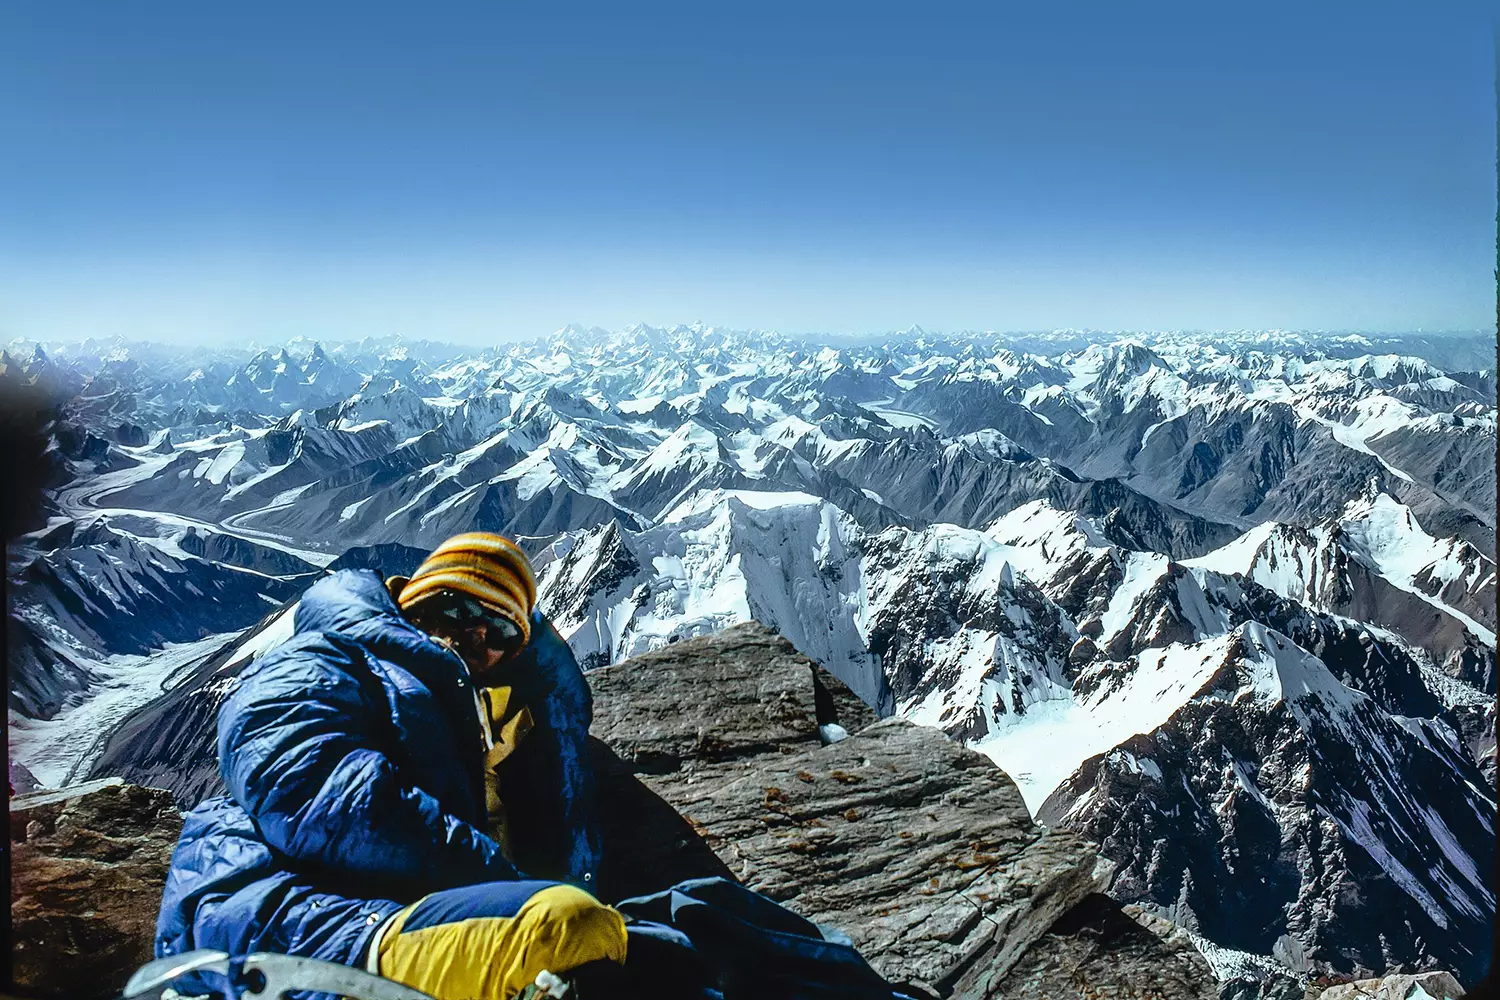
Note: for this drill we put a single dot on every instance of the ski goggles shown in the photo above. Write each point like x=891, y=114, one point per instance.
x=464, y=612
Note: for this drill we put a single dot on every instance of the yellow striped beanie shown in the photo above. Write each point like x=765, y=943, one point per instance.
x=490, y=568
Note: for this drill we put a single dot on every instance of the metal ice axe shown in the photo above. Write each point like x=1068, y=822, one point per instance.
x=266, y=976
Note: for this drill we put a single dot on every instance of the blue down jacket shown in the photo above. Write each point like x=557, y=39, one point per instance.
x=352, y=755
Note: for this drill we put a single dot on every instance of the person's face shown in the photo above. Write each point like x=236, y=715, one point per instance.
x=483, y=639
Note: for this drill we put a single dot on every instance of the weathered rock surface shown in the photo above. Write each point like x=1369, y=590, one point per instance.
x=1423, y=986
x=88, y=866
x=713, y=700
x=1096, y=952
x=920, y=850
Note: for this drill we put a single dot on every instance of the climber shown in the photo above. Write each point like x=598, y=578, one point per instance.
x=410, y=791
x=367, y=759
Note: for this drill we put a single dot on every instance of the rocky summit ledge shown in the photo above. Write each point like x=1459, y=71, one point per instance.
x=922, y=851
x=88, y=867
x=724, y=755
x=1421, y=986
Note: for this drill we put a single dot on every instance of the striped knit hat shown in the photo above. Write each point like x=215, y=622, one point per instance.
x=487, y=567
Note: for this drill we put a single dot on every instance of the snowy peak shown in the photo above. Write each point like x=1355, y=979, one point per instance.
x=1271, y=758
x=1269, y=666
x=1375, y=562
x=1393, y=370
x=1128, y=360
x=739, y=501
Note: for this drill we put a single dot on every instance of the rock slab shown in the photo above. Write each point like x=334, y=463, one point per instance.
x=88, y=866
x=1422, y=986
x=921, y=850
x=1097, y=952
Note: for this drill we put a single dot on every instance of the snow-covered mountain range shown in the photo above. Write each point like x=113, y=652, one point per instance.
x=1224, y=603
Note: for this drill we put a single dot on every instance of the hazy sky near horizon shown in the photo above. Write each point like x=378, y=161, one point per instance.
x=477, y=172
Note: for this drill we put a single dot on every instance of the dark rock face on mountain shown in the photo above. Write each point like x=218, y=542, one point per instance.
x=43, y=675
x=1456, y=460
x=1132, y=520
x=921, y=601
x=1476, y=724
x=390, y=559
x=231, y=550
x=986, y=476
x=1313, y=817
x=1376, y=564
x=21, y=779
x=89, y=864
x=106, y=591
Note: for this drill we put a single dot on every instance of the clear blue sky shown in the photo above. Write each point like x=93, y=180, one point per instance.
x=208, y=171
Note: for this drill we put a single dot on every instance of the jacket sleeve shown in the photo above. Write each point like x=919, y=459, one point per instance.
x=558, y=768
x=299, y=750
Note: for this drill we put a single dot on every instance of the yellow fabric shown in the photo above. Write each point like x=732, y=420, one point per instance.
x=488, y=567
x=495, y=958
x=509, y=722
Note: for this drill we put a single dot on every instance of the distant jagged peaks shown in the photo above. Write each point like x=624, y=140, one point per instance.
x=1168, y=416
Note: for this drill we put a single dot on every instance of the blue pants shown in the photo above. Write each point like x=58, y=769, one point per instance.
x=742, y=946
